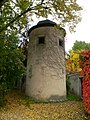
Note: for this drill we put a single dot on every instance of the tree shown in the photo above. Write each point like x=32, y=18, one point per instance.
x=20, y=12
x=80, y=45
x=72, y=63
x=11, y=61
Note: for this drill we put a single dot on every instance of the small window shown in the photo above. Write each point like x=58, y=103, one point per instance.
x=41, y=40
x=60, y=43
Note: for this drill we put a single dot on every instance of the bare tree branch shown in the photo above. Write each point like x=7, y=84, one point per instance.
x=17, y=17
x=29, y=9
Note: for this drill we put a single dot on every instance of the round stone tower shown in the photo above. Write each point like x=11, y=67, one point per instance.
x=46, y=77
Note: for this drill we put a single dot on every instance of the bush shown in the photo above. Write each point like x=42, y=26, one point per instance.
x=85, y=65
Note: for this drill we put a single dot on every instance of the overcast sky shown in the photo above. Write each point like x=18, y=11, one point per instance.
x=82, y=29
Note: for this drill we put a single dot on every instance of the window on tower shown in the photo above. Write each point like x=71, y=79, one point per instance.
x=41, y=40
x=61, y=43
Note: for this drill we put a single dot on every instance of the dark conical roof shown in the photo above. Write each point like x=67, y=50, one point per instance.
x=46, y=22
x=41, y=24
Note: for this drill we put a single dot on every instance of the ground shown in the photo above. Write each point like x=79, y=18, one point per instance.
x=19, y=107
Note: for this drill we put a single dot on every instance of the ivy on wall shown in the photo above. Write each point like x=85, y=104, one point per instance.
x=85, y=65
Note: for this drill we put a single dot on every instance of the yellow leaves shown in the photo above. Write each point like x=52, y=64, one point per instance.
x=73, y=67
x=73, y=64
x=74, y=56
x=51, y=111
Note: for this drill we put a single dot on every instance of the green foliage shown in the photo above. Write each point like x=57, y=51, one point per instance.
x=11, y=63
x=80, y=45
x=10, y=60
x=72, y=97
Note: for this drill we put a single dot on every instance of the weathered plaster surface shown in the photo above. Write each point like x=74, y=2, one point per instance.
x=75, y=83
x=46, y=77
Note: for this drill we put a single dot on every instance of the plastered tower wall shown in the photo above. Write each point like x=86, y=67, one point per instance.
x=46, y=77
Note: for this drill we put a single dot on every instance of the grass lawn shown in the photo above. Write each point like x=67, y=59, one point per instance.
x=19, y=107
